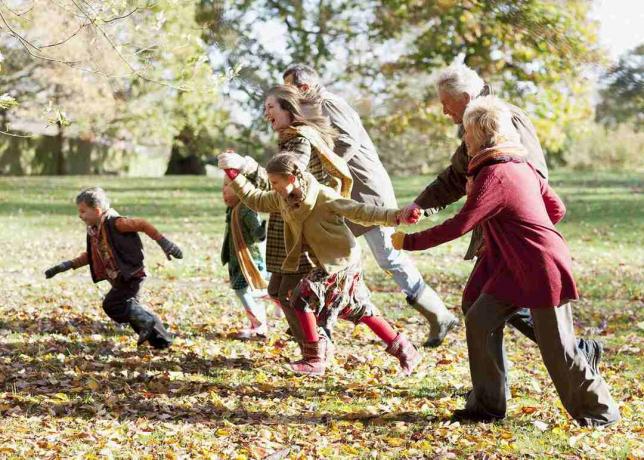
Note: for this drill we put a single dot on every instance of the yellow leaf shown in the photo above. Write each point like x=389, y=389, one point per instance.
x=395, y=442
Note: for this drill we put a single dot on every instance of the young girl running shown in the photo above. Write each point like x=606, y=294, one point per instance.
x=314, y=219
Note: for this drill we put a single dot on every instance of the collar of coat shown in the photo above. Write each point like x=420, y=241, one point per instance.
x=331, y=162
x=500, y=153
x=94, y=230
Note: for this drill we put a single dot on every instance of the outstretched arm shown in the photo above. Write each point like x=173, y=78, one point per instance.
x=128, y=225
x=78, y=262
x=482, y=203
x=254, y=198
x=449, y=185
x=131, y=224
x=364, y=214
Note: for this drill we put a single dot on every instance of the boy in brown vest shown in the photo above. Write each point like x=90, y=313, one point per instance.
x=115, y=253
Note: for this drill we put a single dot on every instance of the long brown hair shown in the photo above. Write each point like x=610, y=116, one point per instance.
x=305, y=109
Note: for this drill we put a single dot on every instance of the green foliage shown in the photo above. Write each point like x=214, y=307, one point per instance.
x=135, y=71
x=530, y=51
x=533, y=52
x=622, y=98
x=594, y=146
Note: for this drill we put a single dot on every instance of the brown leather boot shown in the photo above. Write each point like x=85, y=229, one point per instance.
x=406, y=353
x=313, y=360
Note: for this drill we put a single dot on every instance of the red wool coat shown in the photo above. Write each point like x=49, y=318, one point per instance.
x=525, y=260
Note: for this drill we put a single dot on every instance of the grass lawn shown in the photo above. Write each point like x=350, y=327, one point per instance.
x=73, y=384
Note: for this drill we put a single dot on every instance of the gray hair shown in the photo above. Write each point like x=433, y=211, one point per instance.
x=458, y=79
x=94, y=197
x=489, y=120
x=302, y=75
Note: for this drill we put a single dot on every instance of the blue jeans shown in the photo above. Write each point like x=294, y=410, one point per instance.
x=394, y=262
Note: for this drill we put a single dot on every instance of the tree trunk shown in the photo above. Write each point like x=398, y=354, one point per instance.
x=188, y=164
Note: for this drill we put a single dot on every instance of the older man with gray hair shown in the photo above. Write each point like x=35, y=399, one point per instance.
x=457, y=86
x=372, y=185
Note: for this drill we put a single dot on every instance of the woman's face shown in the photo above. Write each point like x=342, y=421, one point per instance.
x=283, y=184
x=470, y=141
x=276, y=115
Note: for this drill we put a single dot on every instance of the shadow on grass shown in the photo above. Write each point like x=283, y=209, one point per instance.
x=131, y=384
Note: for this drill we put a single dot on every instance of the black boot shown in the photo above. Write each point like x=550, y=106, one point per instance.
x=149, y=327
x=592, y=349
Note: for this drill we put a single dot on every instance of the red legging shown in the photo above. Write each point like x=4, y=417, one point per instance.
x=376, y=323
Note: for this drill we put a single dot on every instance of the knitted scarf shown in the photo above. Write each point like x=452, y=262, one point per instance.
x=247, y=265
x=332, y=163
x=500, y=153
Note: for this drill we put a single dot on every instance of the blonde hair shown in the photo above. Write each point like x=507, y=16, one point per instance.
x=489, y=121
x=458, y=79
x=305, y=109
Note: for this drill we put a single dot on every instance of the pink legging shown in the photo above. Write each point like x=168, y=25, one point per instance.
x=376, y=323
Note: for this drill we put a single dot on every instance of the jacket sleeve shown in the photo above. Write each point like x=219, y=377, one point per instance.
x=482, y=203
x=80, y=261
x=554, y=206
x=364, y=214
x=127, y=225
x=254, y=198
x=449, y=185
x=346, y=144
x=253, y=223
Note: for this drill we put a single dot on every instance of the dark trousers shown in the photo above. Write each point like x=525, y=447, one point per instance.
x=120, y=299
x=279, y=287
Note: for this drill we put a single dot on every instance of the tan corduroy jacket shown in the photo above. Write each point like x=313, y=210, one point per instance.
x=318, y=221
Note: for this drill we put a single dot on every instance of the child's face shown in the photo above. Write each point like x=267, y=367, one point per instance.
x=283, y=184
x=230, y=198
x=91, y=216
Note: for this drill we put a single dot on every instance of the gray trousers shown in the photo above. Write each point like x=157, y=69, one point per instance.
x=583, y=393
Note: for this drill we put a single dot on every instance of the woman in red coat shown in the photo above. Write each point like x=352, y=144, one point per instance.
x=524, y=262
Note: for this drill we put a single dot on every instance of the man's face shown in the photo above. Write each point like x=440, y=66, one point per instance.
x=289, y=80
x=282, y=183
x=276, y=115
x=454, y=106
x=91, y=216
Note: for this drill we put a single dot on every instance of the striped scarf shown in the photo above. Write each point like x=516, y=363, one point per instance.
x=247, y=265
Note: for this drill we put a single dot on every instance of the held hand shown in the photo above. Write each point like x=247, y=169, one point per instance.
x=170, y=249
x=56, y=269
x=397, y=240
x=406, y=212
x=230, y=160
x=414, y=216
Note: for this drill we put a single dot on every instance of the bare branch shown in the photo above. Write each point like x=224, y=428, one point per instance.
x=6, y=133
x=15, y=13
x=27, y=45
x=81, y=27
